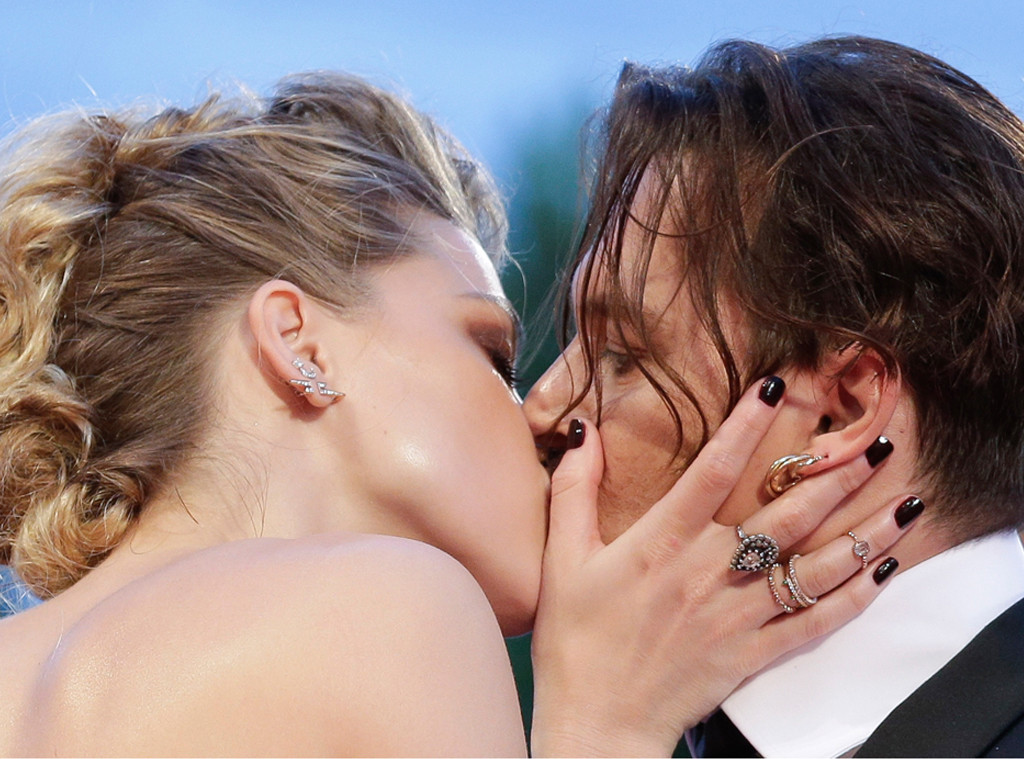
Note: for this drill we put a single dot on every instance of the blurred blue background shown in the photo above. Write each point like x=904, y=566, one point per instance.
x=514, y=81
x=489, y=70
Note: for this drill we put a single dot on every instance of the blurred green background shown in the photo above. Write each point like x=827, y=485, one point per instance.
x=544, y=207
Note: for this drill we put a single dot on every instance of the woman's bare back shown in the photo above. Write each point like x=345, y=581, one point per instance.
x=363, y=645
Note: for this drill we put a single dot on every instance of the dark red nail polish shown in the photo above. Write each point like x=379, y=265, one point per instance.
x=771, y=390
x=577, y=433
x=908, y=511
x=885, y=569
x=878, y=451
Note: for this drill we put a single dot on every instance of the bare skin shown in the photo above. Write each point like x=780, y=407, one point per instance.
x=335, y=576
x=295, y=592
x=299, y=647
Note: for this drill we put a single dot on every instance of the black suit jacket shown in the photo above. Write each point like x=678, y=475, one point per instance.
x=974, y=706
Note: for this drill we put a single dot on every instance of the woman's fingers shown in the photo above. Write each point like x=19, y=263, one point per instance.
x=829, y=566
x=795, y=514
x=573, y=529
x=790, y=631
x=696, y=496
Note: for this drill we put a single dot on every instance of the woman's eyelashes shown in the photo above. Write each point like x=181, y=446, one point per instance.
x=505, y=364
x=500, y=350
x=498, y=339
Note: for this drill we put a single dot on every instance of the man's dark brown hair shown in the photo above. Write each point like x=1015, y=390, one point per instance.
x=848, y=191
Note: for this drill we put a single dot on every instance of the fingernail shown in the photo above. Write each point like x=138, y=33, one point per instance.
x=908, y=511
x=885, y=569
x=878, y=451
x=577, y=432
x=771, y=391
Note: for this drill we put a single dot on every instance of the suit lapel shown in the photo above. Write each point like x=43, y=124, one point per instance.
x=967, y=704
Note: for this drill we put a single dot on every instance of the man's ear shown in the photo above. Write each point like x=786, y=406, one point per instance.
x=289, y=341
x=854, y=396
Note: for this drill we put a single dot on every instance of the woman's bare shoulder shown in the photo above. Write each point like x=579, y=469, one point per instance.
x=291, y=646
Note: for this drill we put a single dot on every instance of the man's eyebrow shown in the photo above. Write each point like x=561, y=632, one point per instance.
x=616, y=313
x=596, y=307
x=593, y=304
x=505, y=305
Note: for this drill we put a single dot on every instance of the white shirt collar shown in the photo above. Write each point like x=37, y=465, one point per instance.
x=827, y=697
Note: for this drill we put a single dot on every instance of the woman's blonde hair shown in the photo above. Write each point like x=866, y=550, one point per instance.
x=122, y=239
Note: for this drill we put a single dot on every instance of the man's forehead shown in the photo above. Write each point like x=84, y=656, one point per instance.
x=661, y=274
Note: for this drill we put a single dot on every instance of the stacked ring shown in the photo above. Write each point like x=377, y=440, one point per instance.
x=775, y=591
x=795, y=591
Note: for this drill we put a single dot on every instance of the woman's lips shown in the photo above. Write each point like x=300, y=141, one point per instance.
x=550, y=449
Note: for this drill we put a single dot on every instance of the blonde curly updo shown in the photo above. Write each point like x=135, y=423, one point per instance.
x=124, y=238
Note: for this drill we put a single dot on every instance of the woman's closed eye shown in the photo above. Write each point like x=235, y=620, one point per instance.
x=505, y=364
x=494, y=326
x=500, y=349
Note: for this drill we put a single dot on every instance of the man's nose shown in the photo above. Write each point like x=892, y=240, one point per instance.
x=544, y=406
x=549, y=398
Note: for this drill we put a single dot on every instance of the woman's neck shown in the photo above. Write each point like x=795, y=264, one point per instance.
x=254, y=488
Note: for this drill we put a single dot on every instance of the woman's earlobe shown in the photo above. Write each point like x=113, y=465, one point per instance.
x=309, y=387
x=284, y=327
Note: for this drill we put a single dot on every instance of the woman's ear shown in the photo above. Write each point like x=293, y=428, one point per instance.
x=287, y=331
x=854, y=396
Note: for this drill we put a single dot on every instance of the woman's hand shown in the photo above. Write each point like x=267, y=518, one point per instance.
x=638, y=640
